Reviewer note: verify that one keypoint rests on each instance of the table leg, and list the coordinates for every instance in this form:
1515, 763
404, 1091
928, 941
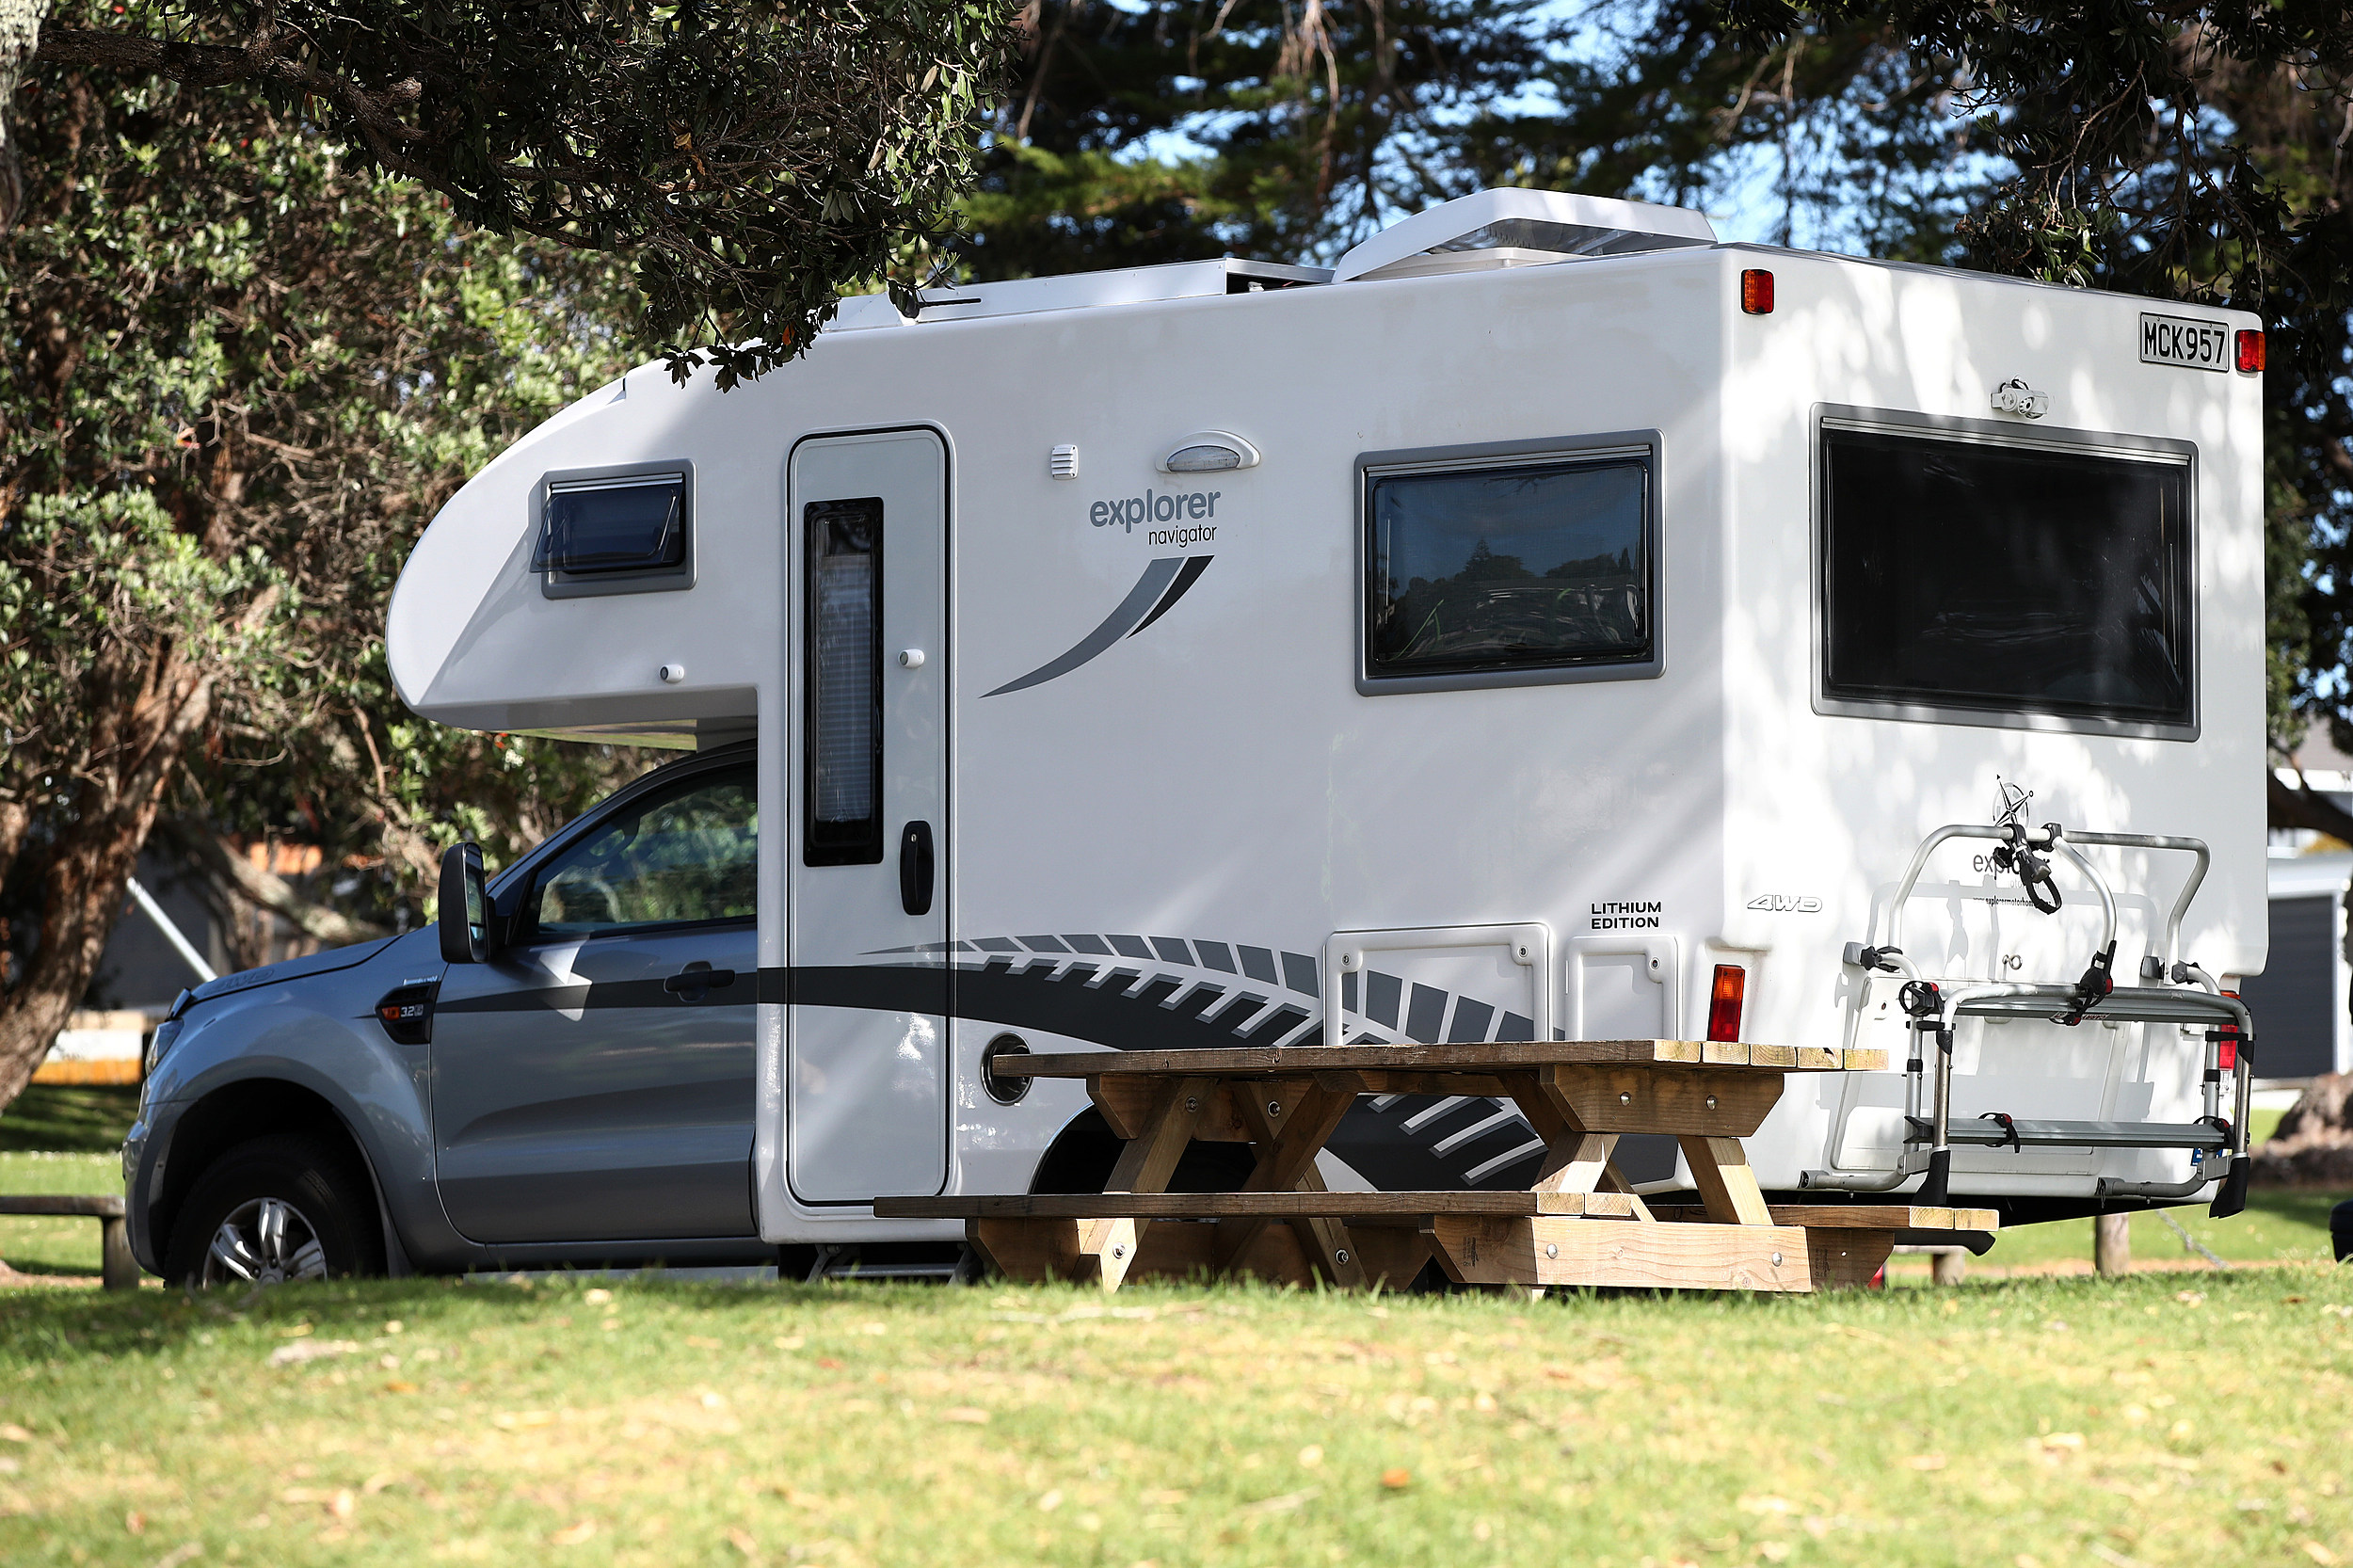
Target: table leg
1288, 1123
1145, 1166
1727, 1186
1576, 1160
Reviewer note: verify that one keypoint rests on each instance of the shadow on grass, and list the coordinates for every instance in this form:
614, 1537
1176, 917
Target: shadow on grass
68, 1118
68, 1326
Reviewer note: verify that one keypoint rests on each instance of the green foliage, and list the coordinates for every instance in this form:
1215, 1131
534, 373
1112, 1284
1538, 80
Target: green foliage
240, 376
751, 159
1168, 131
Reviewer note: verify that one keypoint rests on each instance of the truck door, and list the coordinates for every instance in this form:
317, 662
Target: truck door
866, 1045
594, 1080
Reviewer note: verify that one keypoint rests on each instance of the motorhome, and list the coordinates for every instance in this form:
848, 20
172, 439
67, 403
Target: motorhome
1549, 622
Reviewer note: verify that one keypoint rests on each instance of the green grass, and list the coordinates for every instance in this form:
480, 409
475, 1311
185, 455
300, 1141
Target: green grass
2048, 1421
55, 1246
2275, 1226
87, 1119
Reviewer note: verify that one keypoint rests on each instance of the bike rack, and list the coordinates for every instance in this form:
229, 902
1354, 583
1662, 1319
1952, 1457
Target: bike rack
2193, 998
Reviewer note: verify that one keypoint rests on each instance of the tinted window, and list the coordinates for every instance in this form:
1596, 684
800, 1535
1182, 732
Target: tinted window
1507, 569
843, 670
1966, 575
690, 853
634, 524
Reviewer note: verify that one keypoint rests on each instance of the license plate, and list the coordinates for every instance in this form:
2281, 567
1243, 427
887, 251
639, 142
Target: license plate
2180, 341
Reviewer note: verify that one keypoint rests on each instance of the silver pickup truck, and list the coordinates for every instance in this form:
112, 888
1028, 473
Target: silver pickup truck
376, 1108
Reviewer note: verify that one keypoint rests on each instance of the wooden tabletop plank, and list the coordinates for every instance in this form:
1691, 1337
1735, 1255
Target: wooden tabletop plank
1268, 1205
1855, 1216
1467, 1056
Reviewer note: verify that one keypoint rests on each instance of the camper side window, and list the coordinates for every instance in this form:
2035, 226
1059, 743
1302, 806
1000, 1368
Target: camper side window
1493, 570
1969, 579
843, 696
629, 523
689, 857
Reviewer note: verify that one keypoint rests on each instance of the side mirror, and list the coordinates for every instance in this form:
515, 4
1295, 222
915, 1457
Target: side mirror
465, 922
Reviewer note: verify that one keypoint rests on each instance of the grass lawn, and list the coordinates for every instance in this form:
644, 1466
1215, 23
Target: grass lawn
2030, 1424
89, 1119
54, 1246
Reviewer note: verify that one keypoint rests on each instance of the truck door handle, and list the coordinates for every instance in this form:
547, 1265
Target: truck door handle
914, 869
695, 978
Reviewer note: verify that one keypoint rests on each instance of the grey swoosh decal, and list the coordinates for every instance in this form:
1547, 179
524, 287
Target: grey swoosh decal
1139, 602
1185, 579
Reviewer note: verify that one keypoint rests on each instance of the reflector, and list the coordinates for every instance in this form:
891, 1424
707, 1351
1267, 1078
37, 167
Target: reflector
1756, 291
1724, 1001
2250, 351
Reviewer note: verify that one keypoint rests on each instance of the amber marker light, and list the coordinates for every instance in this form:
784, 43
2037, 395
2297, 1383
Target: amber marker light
1757, 297
1724, 1001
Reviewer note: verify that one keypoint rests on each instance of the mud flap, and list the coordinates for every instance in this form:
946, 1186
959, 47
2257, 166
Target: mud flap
2232, 1197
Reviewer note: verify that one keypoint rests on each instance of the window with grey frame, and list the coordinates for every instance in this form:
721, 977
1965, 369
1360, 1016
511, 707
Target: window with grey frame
1515, 566
1977, 576
613, 526
842, 671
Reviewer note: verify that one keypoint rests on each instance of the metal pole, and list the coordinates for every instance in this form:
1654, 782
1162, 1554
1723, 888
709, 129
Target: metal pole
171, 932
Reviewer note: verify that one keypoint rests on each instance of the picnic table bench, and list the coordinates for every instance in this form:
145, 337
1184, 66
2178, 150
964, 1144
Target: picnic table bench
1580, 1223
117, 1268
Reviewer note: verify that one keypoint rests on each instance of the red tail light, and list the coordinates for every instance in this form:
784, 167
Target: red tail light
2250, 351
1724, 1001
1756, 298
2229, 1049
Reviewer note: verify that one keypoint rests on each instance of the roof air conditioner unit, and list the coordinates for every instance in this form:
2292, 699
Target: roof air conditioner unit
1511, 226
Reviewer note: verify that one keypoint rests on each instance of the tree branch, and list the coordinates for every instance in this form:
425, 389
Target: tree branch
266, 890
2288, 804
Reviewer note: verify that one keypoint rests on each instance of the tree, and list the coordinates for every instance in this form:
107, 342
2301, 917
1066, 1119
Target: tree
1174, 130
280, 275
751, 159
240, 375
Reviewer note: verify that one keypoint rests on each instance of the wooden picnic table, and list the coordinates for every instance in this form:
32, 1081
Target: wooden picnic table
1579, 1225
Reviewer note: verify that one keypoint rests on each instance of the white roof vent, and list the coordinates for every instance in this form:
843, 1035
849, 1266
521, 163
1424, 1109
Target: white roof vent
1511, 226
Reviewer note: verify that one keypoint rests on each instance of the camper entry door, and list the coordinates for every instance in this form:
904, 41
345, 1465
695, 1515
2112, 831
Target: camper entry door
866, 1031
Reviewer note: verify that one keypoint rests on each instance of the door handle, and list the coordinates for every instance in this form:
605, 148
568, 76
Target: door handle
695, 978
914, 869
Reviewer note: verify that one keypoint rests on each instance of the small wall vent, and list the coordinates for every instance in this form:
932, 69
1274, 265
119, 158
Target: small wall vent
1062, 462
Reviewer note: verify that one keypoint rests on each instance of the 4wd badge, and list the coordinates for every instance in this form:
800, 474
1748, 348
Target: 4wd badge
1786, 903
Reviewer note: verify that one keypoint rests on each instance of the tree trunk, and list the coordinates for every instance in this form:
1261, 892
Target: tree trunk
20, 35
2290, 806
151, 714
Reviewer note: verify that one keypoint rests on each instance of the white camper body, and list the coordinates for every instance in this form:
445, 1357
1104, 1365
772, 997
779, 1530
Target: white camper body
1170, 794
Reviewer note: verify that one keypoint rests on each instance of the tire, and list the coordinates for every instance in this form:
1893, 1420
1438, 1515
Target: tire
280, 1209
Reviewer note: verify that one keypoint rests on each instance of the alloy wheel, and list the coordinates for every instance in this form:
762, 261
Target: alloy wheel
264, 1241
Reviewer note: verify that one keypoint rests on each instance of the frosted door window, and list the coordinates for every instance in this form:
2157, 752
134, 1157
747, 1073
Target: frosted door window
845, 682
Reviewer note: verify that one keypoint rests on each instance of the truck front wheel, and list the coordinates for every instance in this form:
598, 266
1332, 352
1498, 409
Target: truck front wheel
275, 1209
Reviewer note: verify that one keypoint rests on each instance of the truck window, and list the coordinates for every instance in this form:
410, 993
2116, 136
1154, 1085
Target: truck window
843, 667
1963, 577
1528, 566
688, 856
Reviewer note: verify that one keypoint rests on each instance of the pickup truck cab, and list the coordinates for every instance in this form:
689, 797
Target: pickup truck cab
584, 1096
